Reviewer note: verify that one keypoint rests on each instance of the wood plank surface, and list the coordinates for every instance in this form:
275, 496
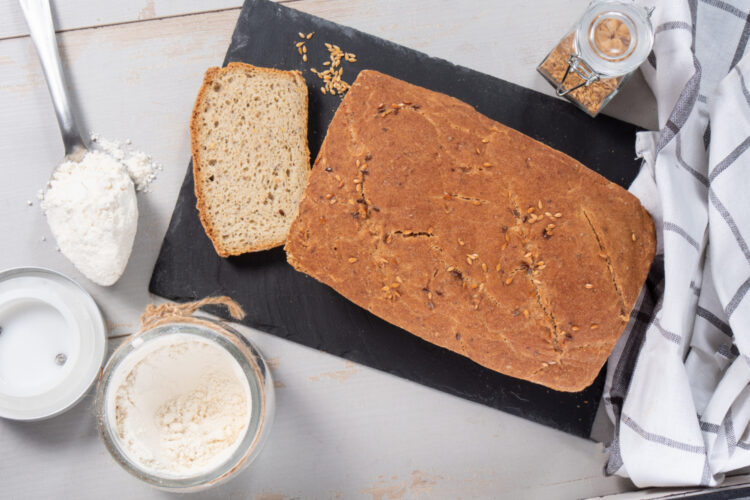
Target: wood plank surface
341, 429
77, 14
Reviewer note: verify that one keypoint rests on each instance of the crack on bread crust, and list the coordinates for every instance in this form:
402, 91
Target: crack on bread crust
363, 201
462, 197
405, 233
553, 325
481, 290
605, 255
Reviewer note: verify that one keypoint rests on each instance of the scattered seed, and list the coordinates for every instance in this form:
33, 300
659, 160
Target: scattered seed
304, 57
473, 286
497, 267
469, 261
352, 260
332, 77
509, 280
485, 141
477, 150
632, 236
526, 313
395, 285
322, 220
539, 204
299, 44
477, 202
484, 267
594, 326
310, 35
323, 89
588, 285
301, 35
329, 196
488, 165
574, 328
530, 210
558, 215
461, 242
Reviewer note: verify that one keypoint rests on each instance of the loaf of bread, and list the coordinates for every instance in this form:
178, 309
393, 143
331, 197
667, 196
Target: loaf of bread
471, 235
250, 158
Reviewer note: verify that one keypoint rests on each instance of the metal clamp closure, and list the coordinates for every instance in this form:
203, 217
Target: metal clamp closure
582, 69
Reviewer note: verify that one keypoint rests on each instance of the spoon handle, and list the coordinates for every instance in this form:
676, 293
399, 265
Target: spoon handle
39, 18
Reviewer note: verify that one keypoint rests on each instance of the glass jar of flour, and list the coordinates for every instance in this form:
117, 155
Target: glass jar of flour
185, 404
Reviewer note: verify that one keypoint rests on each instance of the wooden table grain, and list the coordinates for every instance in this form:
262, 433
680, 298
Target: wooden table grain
342, 430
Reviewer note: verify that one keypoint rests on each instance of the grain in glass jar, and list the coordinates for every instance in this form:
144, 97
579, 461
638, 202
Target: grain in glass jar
605, 47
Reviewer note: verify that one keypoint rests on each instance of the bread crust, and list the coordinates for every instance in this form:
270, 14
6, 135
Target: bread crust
471, 235
208, 80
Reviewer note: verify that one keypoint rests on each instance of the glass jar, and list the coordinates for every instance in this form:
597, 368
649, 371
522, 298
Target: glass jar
253, 369
605, 47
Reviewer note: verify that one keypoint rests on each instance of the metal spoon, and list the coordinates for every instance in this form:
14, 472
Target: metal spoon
39, 18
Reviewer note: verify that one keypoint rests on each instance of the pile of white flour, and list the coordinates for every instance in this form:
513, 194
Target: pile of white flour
92, 210
93, 213
182, 406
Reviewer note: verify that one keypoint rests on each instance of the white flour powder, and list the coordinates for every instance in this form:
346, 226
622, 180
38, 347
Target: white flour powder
92, 209
182, 406
141, 167
93, 213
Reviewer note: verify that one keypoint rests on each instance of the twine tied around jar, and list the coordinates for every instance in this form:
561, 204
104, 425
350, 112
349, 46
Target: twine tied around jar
169, 311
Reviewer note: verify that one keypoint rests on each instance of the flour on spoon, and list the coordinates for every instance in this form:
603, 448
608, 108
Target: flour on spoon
92, 210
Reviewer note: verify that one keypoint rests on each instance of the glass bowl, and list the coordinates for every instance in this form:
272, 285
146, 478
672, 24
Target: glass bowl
261, 413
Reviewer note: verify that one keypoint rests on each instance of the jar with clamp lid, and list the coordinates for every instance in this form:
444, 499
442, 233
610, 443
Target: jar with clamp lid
605, 47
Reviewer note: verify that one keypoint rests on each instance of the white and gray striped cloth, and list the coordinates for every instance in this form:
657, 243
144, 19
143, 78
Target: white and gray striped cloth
677, 383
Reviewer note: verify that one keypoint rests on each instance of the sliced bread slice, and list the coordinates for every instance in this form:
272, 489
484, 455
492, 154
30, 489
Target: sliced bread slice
250, 157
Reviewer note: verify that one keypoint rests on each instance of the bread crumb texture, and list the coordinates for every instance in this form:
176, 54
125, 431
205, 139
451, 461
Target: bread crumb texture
471, 235
250, 156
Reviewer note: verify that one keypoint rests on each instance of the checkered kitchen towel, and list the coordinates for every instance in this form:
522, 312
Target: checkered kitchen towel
677, 385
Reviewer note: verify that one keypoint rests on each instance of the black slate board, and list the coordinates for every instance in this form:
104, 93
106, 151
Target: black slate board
280, 301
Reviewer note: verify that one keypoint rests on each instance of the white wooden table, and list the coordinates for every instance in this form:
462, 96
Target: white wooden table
342, 430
